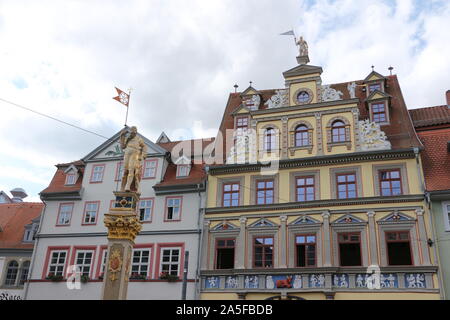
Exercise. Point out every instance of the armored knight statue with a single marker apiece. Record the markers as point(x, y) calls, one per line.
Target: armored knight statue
point(135, 151)
point(303, 47)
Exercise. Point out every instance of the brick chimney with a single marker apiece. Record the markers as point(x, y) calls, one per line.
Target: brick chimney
point(447, 95)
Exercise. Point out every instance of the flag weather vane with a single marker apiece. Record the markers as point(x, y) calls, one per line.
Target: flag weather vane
point(123, 98)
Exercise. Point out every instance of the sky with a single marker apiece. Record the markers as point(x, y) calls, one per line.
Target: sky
point(181, 60)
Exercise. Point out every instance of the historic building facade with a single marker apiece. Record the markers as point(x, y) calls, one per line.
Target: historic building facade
point(18, 223)
point(433, 127)
point(72, 233)
point(321, 195)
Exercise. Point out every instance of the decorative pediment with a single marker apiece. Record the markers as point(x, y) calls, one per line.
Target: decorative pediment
point(224, 226)
point(348, 218)
point(374, 76)
point(263, 223)
point(302, 70)
point(304, 220)
point(249, 91)
point(378, 95)
point(397, 216)
point(163, 138)
point(111, 149)
point(183, 160)
point(240, 110)
point(71, 169)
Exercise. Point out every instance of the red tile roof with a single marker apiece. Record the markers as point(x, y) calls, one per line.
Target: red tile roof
point(13, 218)
point(196, 176)
point(431, 116)
point(57, 184)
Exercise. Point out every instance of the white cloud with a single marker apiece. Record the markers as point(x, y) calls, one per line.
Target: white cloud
point(182, 59)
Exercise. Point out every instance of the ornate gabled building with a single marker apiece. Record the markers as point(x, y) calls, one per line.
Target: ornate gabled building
point(73, 238)
point(320, 195)
point(433, 127)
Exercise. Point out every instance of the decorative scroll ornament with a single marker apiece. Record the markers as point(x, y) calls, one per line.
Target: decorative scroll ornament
point(244, 149)
point(115, 264)
point(278, 100)
point(330, 94)
point(254, 102)
point(371, 136)
point(351, 89)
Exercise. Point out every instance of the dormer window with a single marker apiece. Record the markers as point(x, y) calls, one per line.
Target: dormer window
point(379, 112)
point(242, 123)
point(374, 86)
point(182, 171)
point(70, 179)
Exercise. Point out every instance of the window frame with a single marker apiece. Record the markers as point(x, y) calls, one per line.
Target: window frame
point(269, 140)
point(152, 199)
point(306, 235)
point(305, 132)
point(232, 183)
point(84, 249)
point(16, 276)
point(59, 213)
point(21, 278)
point(182, 166)
point(380, 172)
point(119, 171)
point(236, 122)
point(162, 246)
point(346, 183)
point(68, 176)
point(166, 209)
point(254, 245)
point(216, 248)
point(83, 221)
point(142, 247)
point(264, 190)
point(145, 166)
point(103, 165)
point(388, 259)
point(378, 83)
point(47, 265)
point(306, 186)
point(102, 261)
point(446, 215)
point(349, 233)
point(339, 128)
point(385, 112)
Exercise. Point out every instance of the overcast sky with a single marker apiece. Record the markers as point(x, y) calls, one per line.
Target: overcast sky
point(182, 59)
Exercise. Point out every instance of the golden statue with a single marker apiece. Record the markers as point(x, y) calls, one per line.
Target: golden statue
point(135, 151)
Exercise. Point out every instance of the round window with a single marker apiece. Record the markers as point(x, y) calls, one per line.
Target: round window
point(303, 97)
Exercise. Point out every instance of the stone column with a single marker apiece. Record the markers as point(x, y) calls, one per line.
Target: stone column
point(284, 137)
point(205, 253)
point(241, 244)
point(373, 239)
point(283, 243)
point(326, 238)
point(423, 238)
point(123, 226)
point(319, 133)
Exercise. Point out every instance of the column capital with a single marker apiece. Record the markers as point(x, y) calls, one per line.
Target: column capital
point(371, 214)
point(284, 119)
point(243, 220)
point(206, 223)
point(326, 214)
point(420, 212)
point(283, 218)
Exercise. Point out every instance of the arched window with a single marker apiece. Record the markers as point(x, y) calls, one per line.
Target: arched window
point(11, 273)
point(24, 272)
point(301, 136)
point(269, 139)
point(338, 131)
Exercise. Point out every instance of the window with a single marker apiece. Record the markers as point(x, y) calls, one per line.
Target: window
point(446, 212)
point(338, 131)
point(65, 214)
point(390, 182)
point(346, 185)
point(225, 253)
point(11, 273)
point(182, 170)
point(57, 262)
point(70, 179)
point(374, 86)
point(84, 261)
point(399, 248)
point(90, 212)
point(379, 112)
point(305, 250)
point(269, 139)
point(173, 208)
point(303, 97)
point(264, 192)
point(103, 261)
point(145, 209)
point(242, 123)
point(301, 136)
point(170, 261)
point(263, 252)
point(28, 236)
point(24, 272)
point(119, 171)
point(150, 168)
point(350, 249)
point(305, 189)
point(231, 194)
point(141, 262)
point(97, 173)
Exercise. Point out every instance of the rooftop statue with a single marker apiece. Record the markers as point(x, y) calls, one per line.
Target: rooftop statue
point(303, 47)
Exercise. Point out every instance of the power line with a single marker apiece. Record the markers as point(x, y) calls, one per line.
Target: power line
point(53, 118)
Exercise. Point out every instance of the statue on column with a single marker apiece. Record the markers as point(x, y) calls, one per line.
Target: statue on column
point(135, 151)
point(303, 47)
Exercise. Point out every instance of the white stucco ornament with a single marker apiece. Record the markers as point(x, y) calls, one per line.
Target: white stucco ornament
point(330, 94)
point(371, 136)
point(254, 102)
point(244, 149)
point(278, 100)
point(351, 89)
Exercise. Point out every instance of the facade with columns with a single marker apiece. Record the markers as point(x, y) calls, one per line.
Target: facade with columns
point(320, 195)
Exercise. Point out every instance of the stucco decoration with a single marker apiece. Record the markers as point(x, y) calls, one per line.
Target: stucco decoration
point(244, 149)
point(371, 136)
point(254, 102)
point(330, 94)
point(280, 99)
point(351, 89)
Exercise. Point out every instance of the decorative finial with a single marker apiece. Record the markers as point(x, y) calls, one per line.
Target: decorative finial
point(390, 69)
point(235, 87)
point(250, 83)
point(373, 67)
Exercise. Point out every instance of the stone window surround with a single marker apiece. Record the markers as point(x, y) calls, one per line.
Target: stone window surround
point(262, 135)
point(403, 174)
point(262, 232)
point(306, 229)
point(293, 180)
point(292, 147)
point(241, 117)
point(213, 237)
point(222, 181)
point(445, 213)
point(359, 227)
point(348, 140)
point(308, 91)
point(386, 226)
point(338, 170)
point(253, 189)
point(3, 273)
point(386, 109)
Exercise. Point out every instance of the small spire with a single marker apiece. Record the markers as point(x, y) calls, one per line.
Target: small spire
point(235, 87)
point(390, 69)
point(250, 83)
point(373, 67)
